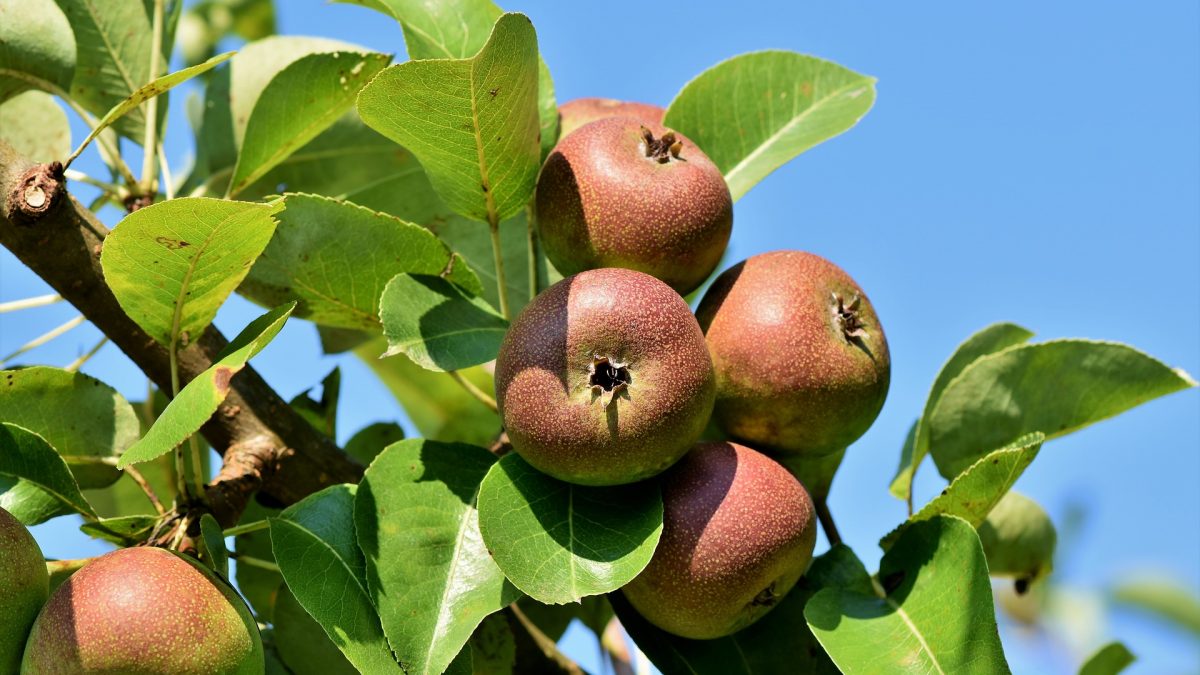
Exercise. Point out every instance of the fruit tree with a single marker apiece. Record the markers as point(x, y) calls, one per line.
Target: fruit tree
point(616, 422)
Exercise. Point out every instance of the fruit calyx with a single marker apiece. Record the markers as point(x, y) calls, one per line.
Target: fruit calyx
point(766, 597)
point(845, 315)
point(608, 378)
point(661, 150)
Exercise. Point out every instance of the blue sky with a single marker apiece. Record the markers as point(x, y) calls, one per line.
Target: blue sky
point(1028, 162)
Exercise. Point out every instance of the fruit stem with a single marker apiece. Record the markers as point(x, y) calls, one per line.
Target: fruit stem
point(827, 524)
point(246, 528)
point(544, 643)
point(533, 254)
point(498, 259)
point(479, 394)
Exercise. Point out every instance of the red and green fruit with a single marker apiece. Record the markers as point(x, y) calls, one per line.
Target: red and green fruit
point(578, 112)
point(623, 193)
point(801, 360)
point(147, 611)
point(738, 532)
point(24, 585)
point(604, 378)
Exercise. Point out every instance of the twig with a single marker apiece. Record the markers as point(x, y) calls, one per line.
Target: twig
point(478, 393)
point(827, 524)
point(612, 642)
point(144, 484)
point(168, 183)
point(78, 363)
point(29, 303)
point(43, 339)
point(247, 528)
point(265, 444)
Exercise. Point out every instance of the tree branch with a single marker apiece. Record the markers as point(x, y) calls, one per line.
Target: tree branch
point(265, 444)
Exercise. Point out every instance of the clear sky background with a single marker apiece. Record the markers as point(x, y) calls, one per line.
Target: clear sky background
point(1028, 162)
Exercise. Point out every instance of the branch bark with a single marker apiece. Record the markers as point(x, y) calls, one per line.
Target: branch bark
point(265, 445)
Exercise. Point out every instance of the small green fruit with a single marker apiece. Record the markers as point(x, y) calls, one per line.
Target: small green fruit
point(24, 585)
point(738, 532)
point(623, 193)
point(576, 113)
point(146, 611)
point(1019, 540)
point(604, 378)
point(801, 360)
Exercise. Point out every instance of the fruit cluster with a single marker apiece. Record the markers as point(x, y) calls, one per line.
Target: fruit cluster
point(608, 378)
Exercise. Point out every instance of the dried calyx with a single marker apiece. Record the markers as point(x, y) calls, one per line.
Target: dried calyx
point(845, 315)
point(607, 377)
point(661, 150)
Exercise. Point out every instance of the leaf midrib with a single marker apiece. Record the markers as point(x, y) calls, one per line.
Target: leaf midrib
point(912, 627)
point(774, 137)
point(463, 525)
point(90, 5)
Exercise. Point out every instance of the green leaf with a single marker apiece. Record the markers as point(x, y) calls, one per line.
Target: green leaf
point(990, 340)
point(1018, 539)
point(146, 92)
point(315, 548)
point(560, 542)
point(493, 647)
point(229, 101)
point(302, 644)
point(428, 570)
point(335, 258)
point(322, 414)
point(552, 620)
point(173, 264)
point(39, 48)
point(113, 43)
point(369, 441)
point(29, 503)
point(458, 29)
point(301, 101)
point(198, 400)
point(122, 530)
point(103, 424)
point(1110, 659)
point(473, 123)
point(213, 551)
point(474, 243)
point(1053, 387)
point(35, 126)
point(259, 586)
point(27, 457)
point(780, 642)
point(911, 623)
point(437, 405)
point(439, 325)
point(1162, 597)
point(755, 112)
point(979, 488)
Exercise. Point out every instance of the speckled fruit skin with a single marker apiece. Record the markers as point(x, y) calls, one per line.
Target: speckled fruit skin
point(601, 202)
point(788, 380)
point(738, 532)
point(24, 585)
point(576, 113)
point(146, 611)
point(554, 418)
